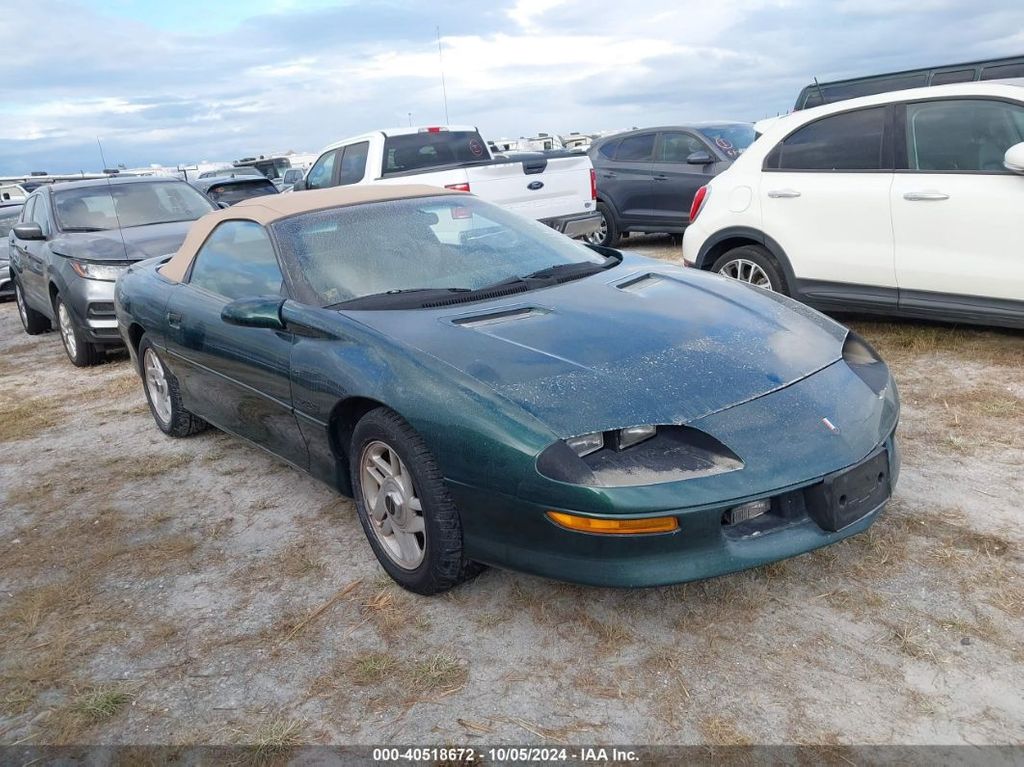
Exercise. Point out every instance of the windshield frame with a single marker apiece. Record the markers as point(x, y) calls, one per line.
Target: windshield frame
point(71, 228)
point(588, 259)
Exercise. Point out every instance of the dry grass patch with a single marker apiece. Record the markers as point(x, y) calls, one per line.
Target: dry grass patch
point(723, 731)
point(272, 737)
point(86, 709)
point(23, 418)
point(398, 680)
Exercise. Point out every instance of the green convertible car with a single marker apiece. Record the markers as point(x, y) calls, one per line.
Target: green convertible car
point(491, 392)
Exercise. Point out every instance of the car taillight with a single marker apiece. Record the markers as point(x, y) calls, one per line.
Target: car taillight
point(698, 202)
point(457, 187)
point(593, 184)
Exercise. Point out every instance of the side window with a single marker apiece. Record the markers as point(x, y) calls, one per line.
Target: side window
point(636, 148)
point(26, 212)
point(353, 163)
point(962, 135)
point(847, 141)
point(38, 214)
point(676, 147)
point(322, 172)
point(608, 148)
point(238, 261)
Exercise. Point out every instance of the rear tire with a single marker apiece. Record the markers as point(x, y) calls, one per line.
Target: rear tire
point(754, 265)
point(34, 322)
point(164, 395)
point(607, 233)
point(409, 519)
point(80, 350)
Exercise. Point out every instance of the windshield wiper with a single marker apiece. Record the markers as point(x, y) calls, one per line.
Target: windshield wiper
point(549, 274)
point(396, 296)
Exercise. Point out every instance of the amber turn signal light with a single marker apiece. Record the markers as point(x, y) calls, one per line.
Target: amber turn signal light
point(614, 526)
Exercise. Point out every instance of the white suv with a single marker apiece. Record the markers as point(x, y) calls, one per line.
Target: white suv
point(905, 203)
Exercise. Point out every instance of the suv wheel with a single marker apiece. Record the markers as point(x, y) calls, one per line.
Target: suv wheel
point(33, 321)
point(607, 232)
point(80, 351)
point(754, 265)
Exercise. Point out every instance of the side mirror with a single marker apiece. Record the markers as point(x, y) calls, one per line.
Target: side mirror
point(299, 185)
point(223, 204)
point(30, 231)
point(1012, 160)
point(700, 157)
point(261, 312)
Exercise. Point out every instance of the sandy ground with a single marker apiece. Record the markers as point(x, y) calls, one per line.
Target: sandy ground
point(158, 591)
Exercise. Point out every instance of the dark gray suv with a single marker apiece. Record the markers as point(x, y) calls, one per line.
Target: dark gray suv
point(646, 179)
point(74, 239)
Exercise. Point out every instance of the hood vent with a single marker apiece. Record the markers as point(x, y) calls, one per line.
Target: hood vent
point(494, 318)
point(640, 283)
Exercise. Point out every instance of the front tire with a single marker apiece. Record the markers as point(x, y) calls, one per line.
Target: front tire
point(607, 233)
point(163, 394)
point(34, 322)
point(754, 265)
point(409, 519)
point(80, 351)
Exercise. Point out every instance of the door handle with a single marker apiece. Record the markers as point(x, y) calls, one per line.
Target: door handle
point(925, 196)
point(174, 319)
point(661, 177)
point(608, 174)
point(776, 194)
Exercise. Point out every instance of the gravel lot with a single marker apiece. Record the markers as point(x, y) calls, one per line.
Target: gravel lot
point(159, 591)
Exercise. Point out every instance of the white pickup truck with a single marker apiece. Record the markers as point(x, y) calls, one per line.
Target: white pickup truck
point(555, 189)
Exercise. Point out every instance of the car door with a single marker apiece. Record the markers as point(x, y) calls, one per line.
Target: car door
point(955, 207)
point(625, 178)
point(674, 180)
point(824, 197)
point(32, 257)
point(235, 377)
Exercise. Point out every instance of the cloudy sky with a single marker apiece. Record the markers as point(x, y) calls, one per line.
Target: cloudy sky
point(189, 80)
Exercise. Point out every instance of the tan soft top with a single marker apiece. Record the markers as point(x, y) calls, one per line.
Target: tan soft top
point(271, 207)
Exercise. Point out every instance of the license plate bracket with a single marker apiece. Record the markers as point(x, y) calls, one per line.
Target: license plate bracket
point(842, 498)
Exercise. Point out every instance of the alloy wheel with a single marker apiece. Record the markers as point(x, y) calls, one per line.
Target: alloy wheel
point(19, 299)
point(599, 235)
point(746, 271)
point(156, 386)
point(394, 508)
point(67, 330)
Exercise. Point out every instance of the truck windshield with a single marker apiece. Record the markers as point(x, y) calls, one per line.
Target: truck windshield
point(109, 206)
point(450, 242)
point(419, 151)
point(730, 138)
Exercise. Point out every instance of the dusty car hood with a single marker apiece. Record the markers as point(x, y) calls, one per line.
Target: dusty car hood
point(139, 242)
point(641, 343)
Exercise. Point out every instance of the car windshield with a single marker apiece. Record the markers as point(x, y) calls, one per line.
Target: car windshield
point(232, 193)
point(431, 243)
point(731, 138)
point(8, 218)
point(110, 206)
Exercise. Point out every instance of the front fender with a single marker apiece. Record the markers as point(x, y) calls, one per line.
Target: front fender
point(476, 436)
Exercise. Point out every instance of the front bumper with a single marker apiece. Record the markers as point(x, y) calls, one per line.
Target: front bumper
point(507, 532)
point(92, 304)
point(579, 225)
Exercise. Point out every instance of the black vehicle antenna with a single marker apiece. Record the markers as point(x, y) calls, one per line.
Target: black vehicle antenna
point(821, 95)
point(113, 204)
